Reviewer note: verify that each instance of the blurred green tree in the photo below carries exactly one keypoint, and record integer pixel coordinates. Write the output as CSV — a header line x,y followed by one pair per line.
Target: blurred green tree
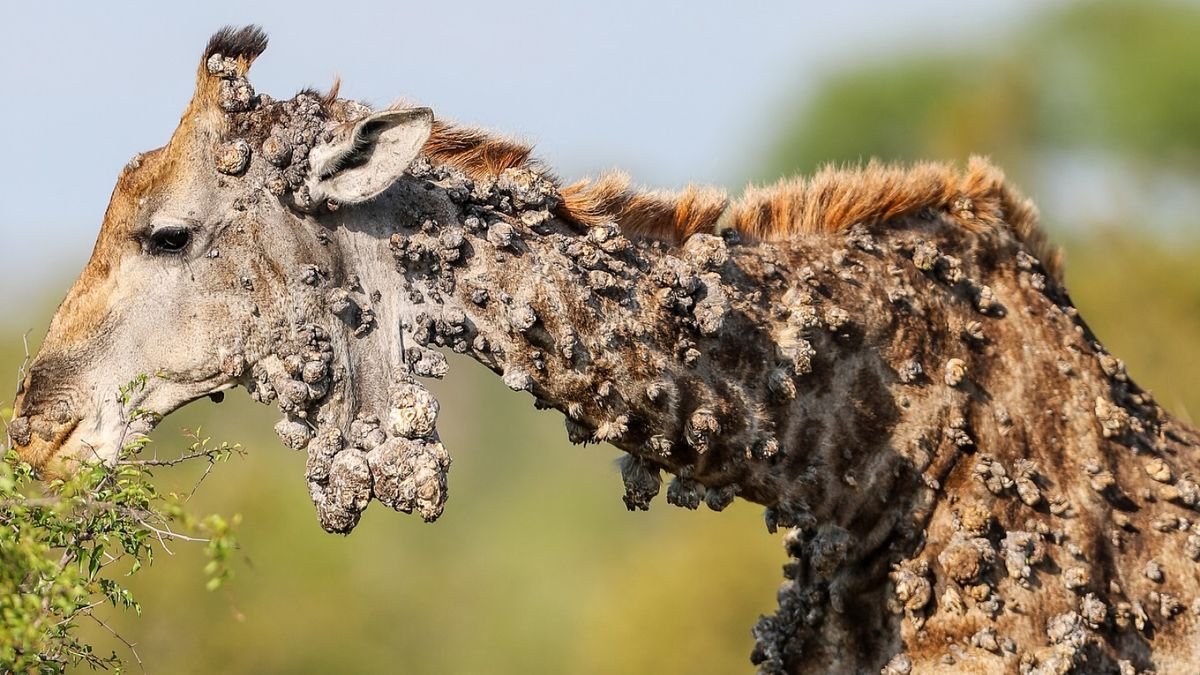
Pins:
x,y
1109,76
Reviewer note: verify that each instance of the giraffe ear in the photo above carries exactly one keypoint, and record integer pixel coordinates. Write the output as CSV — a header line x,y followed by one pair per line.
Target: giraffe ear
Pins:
x,y
370,158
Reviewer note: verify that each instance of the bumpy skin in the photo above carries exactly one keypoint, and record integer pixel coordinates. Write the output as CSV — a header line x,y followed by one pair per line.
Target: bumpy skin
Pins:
x,y
972,483
969,483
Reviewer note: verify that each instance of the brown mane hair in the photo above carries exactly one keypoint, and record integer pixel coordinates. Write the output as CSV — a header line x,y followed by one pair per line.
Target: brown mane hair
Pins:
x,y
476,152
830,201
670,216
834,199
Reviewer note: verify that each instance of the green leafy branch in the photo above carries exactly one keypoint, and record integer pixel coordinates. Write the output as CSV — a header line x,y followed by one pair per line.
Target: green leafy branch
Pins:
x,y
61,544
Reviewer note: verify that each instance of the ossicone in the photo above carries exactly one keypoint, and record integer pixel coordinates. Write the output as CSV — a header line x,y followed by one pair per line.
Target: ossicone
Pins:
x,y
247,43
222,86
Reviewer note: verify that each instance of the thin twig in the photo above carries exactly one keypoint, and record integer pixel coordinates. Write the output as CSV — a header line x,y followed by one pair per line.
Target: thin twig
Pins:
x,y
210,454
21,372
158,535
166,532
81,610
207,470
24,369
129,645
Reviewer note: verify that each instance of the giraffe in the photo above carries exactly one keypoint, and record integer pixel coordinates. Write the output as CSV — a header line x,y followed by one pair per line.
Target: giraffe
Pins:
x,y
886,358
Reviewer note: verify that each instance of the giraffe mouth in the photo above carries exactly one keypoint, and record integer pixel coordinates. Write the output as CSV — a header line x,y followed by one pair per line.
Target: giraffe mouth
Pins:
x,y
41,447
56,450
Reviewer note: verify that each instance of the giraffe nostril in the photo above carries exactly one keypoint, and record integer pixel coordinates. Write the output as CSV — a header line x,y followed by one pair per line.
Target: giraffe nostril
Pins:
x,y
19,431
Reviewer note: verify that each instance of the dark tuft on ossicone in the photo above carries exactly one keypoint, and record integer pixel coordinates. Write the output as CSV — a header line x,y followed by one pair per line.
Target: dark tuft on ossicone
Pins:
x,y
245,42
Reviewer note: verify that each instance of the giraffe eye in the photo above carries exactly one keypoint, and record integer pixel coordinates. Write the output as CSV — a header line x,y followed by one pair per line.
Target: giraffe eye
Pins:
x,y
170,240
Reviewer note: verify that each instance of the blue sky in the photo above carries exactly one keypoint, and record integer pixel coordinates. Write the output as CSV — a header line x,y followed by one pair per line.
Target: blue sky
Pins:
x,y
672,92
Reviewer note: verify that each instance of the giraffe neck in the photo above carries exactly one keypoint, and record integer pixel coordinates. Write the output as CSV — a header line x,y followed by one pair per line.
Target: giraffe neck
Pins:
x,y
841,380
744,369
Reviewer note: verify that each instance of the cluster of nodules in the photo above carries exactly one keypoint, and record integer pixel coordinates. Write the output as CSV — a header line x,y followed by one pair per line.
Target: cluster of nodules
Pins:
x,y
498,216
690,287
1129,416
981,561
288,130
397,460
1067,640
604,261
643,480
234,95
807,309
299,124
347,302
801,320
980,557
687,291
287,145
687,287
298,377
973,564
450,328
818,577
432,252
948,269
494,211
1024,481
526,195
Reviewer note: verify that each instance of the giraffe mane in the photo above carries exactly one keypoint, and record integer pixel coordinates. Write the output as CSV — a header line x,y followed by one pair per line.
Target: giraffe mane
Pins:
x,y
476,152
832,200
657,214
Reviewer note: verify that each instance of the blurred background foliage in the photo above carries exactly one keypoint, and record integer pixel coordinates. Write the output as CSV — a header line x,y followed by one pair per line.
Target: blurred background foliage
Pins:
x,y
1092,107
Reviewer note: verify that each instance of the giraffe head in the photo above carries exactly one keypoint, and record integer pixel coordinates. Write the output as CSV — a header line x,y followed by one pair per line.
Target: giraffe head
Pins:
x,y
211,264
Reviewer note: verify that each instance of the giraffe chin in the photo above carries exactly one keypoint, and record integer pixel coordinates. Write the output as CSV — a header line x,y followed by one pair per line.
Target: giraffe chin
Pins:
x,y
77,444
